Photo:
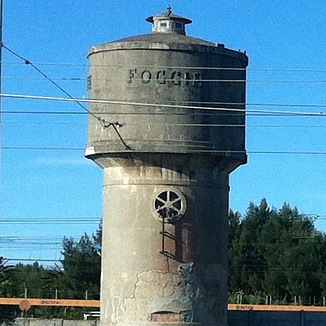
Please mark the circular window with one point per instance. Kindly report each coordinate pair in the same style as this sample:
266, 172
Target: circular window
170, 205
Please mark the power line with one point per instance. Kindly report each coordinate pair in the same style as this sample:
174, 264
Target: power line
14, 148
39, 237
103, 122
46, 112
263, 81
56, 64
60, 219
83, 79
188, 107
176, 114
40, 78
43, 238
44, 123
27, 62
170, 105
43, 222
247, 125
32, 259
195, 151
49, 220
248, 69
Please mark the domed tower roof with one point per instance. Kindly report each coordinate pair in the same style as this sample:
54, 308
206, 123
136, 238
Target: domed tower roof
168, 33
168, 22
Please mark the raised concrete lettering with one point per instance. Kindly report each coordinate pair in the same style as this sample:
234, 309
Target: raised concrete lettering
165, 77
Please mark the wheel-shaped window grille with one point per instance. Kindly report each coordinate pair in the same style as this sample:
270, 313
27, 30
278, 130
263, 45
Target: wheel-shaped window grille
170, 205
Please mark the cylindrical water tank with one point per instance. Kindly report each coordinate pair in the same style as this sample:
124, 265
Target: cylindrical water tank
165, 88
167, 125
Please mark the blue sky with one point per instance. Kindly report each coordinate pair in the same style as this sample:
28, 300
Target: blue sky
47, 191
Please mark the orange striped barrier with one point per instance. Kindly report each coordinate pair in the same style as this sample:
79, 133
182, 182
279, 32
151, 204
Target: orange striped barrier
96, 304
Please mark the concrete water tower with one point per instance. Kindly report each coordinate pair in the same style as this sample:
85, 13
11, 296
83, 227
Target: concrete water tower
168, 132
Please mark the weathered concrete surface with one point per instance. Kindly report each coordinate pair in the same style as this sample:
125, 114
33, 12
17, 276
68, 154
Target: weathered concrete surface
166, 154
153, 126
191, 279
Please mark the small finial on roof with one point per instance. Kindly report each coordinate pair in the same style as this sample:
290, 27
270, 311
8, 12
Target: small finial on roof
168, 22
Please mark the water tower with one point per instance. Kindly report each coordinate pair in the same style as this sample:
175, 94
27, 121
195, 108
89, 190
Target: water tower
167, 126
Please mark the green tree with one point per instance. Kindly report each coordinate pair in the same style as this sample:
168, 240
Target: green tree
276, 252
30, 280
81, 267
79, 273
7, 313
246, 259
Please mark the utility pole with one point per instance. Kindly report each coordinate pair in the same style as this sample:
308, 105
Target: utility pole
1, 32
1, 40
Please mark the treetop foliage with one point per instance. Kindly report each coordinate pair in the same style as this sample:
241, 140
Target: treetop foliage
276, 252
76, 277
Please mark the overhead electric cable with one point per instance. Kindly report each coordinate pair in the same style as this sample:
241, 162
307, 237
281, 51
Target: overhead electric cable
208, 125
33, 259
188, 107
103, 122
248, 112
40, 78
55, 220
18, 148
250, 69
46, 222
208, 105
27, 62
45, 112
195, 151
263, 81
